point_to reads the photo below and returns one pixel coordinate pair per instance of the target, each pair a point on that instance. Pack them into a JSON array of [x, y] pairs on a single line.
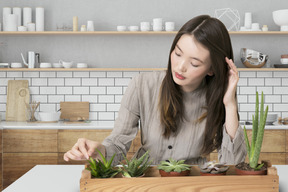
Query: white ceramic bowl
[[271, 118], [45, 65], [280, 18], [284, 60], [67, 64], [16, 65], [82, 65], [121, 28], [57, 65], [49, 116]]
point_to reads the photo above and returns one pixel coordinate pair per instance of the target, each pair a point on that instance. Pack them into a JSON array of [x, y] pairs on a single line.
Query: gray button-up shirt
[[139, 105]]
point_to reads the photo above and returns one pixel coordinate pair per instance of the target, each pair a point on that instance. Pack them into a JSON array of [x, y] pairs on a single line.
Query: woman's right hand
[[83, 149]]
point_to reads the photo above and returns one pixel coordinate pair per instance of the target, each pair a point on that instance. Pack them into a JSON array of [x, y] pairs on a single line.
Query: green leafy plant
[[102, 168], [173, 166], [213, 167], [258, 126], [136, 167]]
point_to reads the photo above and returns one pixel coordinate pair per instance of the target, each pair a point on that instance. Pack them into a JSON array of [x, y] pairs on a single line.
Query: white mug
[[158, 21], [134, 28], [83, 28], [90, 26], [121, 28], [255, 26], [169, 26], [31, 27], [157, 24], [158, 28], [145, 26], [22, 28]]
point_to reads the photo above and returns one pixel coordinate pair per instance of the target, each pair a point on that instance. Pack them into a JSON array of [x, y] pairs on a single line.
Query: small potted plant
[[253, 150], [136, 167], [212, 168], [102, 168], [172, 168]]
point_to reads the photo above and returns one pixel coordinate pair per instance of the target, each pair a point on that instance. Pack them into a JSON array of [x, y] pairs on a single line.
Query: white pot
[[48, 116]]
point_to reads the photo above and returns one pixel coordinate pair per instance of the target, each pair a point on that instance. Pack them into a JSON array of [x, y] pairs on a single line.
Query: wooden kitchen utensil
[[18, 94], [74, 111]]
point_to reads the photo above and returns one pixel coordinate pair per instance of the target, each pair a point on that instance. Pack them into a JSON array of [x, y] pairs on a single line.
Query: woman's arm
[[233, 148], [230, 101], [126, 125], [232, 121], [119, 141]]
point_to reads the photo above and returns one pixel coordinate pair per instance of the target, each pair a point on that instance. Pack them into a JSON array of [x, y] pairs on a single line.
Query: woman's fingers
[[71, 155], [82, 147], [78, 151], [231, 64]]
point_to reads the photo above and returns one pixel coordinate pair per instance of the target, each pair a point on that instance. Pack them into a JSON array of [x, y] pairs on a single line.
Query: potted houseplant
[[253, 150], [136, 167], [172, 168], [102, 168], [212, 168]]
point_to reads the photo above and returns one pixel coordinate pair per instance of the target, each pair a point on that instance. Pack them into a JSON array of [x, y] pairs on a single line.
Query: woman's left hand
[[233, 78]]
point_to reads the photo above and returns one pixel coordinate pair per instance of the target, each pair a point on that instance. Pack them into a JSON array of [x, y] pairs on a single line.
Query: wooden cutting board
[[18, 94], [74, 111]]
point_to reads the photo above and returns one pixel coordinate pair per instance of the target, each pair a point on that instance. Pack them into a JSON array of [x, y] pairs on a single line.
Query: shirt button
[[169, 147]]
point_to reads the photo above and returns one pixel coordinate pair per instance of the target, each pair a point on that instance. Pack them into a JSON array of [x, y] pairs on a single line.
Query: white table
[[66, 178]]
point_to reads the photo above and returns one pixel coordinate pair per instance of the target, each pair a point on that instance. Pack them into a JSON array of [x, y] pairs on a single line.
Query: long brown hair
[[213, 35]]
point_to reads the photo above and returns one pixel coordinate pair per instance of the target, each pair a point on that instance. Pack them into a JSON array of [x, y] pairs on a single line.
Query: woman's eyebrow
[[190, 57]]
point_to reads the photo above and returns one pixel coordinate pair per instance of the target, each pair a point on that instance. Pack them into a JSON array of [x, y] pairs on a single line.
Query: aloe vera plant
[[173, 165], [258, 126], [102, 168], [136, 167]]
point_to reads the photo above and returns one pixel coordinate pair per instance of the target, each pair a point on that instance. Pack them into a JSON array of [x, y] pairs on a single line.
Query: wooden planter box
[[154, 182]]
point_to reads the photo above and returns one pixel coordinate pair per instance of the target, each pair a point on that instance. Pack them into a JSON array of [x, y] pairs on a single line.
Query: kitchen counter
[[58, 125], [89, 125], [66, 178]]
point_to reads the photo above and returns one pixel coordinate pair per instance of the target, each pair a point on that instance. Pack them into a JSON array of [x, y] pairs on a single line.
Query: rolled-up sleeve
[[232, 151], [126, 124]]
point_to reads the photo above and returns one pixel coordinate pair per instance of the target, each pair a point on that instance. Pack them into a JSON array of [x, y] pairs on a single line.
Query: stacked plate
[[271, 118]]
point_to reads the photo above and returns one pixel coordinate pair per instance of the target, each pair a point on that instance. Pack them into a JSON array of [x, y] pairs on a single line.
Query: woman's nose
[[182, 66]]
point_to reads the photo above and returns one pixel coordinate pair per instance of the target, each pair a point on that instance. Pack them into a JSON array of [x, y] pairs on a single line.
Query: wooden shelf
[[82, 69], [132, 33], [124, 69], [87, 33]]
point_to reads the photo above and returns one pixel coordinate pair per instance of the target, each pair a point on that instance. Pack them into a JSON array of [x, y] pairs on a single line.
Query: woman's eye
[[194, 65], [177, 54]]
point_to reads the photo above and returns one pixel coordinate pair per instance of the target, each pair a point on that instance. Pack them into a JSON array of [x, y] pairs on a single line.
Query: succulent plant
[[136, 167], [102, 168], [257, 134], [213, 167], [173, 166]]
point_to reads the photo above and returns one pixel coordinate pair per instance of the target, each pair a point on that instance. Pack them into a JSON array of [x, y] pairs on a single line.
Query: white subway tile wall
[[104, 90]]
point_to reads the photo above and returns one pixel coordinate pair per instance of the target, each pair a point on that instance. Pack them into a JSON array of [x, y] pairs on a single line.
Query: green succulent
[[173, 166], [257, 134], [136, 167], [102, 168]]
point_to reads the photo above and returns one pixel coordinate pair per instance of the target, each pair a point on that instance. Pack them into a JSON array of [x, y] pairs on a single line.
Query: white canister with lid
[[39, 19]]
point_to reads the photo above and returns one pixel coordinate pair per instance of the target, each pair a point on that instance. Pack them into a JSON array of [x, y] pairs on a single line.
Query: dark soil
[[246, 167]]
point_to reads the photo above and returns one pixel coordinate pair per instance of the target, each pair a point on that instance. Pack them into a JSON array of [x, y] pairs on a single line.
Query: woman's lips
[[179, 76]]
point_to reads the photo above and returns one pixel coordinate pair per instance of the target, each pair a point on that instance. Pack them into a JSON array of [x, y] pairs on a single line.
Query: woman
[[185, 112]]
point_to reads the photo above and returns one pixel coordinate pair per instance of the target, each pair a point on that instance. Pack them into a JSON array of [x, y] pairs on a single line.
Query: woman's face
[[190, 63]]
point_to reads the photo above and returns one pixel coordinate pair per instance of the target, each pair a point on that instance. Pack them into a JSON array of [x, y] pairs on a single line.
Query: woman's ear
[[210, 73]]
